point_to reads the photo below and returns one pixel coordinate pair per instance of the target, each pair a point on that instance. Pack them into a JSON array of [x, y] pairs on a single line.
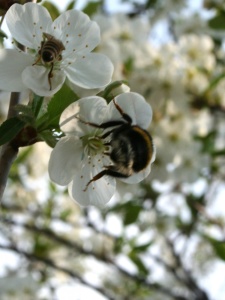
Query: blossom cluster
[[174, 77], [101, 142]]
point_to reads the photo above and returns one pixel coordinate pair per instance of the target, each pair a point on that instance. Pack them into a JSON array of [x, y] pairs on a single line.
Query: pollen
[[41, 27], [81, 176], [35, 23], [86, 46], [74, 50], [83, 56], [54, 27], [68, 23], [79, 34], [34, 35]]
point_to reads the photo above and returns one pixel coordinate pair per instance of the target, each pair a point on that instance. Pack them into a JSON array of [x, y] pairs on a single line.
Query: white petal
[[36, 79], [64, 160], [12, 64], [98, 192], [90, 109], [92, 71], [135, 106], [27, 23], [138, 177], [77, 32]]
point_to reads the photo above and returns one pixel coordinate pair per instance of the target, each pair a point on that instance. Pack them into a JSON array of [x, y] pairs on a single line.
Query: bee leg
[[50, 75], [38, 59], [96, 177], [108, 171], [123, 114]]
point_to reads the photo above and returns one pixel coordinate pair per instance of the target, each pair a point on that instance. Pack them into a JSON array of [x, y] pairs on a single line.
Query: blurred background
[[163, 239]]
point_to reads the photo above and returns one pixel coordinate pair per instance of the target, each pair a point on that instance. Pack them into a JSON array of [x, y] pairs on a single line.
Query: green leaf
[[71, 5], [214, 82], [131, 214], [9, 129], [65, 214], [142, 248], [218, 246], [49, 137], [3, 34], [139, 264], [52, 9], [130, 211], [56, 106], [37, 105], [92, 7], [218, 22]]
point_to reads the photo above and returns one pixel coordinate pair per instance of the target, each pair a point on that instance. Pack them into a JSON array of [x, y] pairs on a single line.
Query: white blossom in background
[[120, 37], [80, 155], [197, 50], [78, 36]]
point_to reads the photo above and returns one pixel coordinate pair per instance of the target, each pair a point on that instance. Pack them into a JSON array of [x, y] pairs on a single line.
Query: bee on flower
[[57, 50], [103, 143]]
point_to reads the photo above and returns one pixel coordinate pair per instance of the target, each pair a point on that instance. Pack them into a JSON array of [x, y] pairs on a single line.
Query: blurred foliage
[[153, 241]]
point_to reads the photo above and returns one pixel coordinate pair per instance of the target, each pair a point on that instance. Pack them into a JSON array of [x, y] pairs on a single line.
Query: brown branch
[[102, 258], [197, 292], [53, 265]]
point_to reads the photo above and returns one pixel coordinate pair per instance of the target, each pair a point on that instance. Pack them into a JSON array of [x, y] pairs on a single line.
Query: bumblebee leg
[[108, 171], [123, 114], [103, 125], [96, 177]]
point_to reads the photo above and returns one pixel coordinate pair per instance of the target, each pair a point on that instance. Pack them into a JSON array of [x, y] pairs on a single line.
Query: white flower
[[82, 153], [72, 37]]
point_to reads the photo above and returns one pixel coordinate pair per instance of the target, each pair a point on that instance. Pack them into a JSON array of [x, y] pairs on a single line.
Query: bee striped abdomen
[[51, 51]]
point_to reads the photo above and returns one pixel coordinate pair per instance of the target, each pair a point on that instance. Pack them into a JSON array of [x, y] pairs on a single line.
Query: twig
[[102, 258], [51, 264], [198, 293]]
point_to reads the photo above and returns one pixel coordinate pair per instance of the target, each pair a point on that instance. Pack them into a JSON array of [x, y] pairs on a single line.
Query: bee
[[131, 147], [49, 53]]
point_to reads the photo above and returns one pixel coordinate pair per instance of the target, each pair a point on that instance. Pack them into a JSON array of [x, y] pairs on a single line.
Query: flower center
[[93, 144]]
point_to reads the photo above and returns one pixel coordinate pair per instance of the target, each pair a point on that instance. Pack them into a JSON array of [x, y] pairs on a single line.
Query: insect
[[49, 53], [131, 147]]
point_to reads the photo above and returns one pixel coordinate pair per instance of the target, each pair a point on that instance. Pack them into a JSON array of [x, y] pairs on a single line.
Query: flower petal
[[98, 192], [36, 79], [12, 64], [27, 23], [91, 71], [90, 109], [64, 160], [77, 32], [135, 106]]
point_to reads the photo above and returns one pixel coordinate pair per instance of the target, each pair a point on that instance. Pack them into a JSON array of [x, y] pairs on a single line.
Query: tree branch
[[50, 263], [100, 257]]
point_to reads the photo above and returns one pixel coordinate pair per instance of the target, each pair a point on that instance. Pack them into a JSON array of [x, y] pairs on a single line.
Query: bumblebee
[[49, 53], [131, 147]]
